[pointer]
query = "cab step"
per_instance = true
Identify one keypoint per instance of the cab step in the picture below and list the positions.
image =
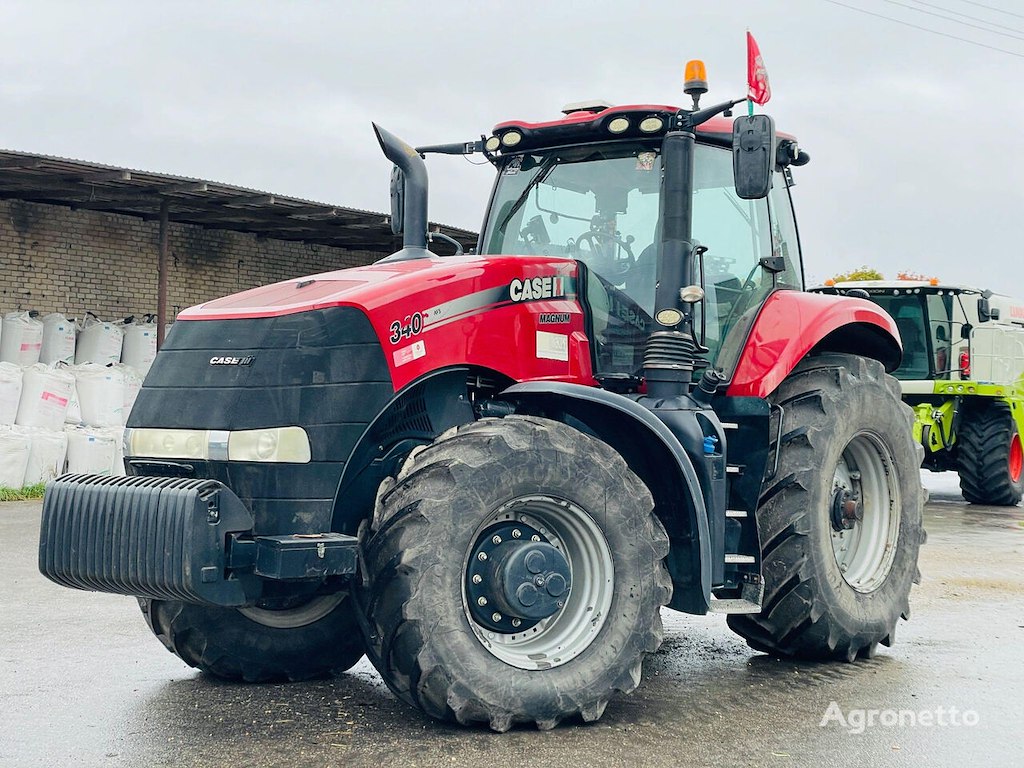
(735, 559)
(748, 599)
(733, 605)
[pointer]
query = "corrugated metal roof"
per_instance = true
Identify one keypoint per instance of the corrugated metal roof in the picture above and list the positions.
(84, 185)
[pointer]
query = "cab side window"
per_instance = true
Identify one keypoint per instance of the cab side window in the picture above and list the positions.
(785, 241)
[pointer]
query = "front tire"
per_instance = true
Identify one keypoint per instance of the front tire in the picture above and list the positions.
(990, 458)
(440, 587)
(840, 521)
(255, 645)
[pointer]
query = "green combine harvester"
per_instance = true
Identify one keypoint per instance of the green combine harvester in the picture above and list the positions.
(963, 374)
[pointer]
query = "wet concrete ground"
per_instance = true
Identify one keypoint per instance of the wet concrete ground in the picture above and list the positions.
(84, 683)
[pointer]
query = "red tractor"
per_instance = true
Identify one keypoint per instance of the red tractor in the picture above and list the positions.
(490, 472)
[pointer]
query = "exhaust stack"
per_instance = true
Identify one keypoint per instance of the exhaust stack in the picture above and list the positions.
(414, 180)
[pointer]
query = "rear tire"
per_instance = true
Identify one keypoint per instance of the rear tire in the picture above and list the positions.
(990, 457)
(834, 585)
(508, 482)
(317, 639)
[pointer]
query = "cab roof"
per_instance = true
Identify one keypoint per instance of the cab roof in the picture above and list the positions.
(592, 123)
(900, 285)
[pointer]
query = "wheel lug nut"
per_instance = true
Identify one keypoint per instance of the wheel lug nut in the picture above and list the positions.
(535, 537)
(481, 601)
(495, 616)
(477, 578)
(516, 533)
(482, 556)
(496, 539)
(516, 622)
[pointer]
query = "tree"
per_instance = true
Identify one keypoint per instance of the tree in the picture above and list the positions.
(907, 275)
(861, 273)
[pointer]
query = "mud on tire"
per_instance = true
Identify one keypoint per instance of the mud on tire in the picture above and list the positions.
(989, 456)
(318, 639)
(431, 648)
(847, 449)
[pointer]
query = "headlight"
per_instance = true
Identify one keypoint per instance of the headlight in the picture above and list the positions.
(289, 445)
(511, 138)
(283, 444)
(167, 443)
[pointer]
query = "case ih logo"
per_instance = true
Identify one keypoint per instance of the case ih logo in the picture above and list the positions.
(247, 360)
(550, 287)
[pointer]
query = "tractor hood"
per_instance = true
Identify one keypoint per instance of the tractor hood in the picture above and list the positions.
(366, 287)
(431, 313)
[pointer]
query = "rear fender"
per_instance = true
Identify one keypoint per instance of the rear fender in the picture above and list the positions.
(656, 456)
(793, 324)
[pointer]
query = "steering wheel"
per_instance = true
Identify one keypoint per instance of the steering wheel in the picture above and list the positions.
(615, 266)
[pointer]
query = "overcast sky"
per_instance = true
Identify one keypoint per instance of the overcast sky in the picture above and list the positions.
(915, 137)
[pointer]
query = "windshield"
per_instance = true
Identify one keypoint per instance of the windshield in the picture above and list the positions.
(599, 204)
(930, 323)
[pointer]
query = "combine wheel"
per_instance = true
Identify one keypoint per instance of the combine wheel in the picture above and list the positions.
(514, 573)
(990, 459)
(317, 638)
(840, 522)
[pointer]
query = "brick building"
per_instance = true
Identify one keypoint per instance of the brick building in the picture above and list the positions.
(78, 237)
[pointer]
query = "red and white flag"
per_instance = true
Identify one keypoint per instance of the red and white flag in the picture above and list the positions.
(758, 89)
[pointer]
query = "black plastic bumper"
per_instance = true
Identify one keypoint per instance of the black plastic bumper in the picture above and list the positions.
(173, 539)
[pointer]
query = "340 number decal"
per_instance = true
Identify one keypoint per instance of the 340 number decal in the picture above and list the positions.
(411, 326)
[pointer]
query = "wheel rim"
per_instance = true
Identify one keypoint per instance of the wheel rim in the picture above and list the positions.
(1016, 458)
(865, 512)
(289, 618)
(560, 637)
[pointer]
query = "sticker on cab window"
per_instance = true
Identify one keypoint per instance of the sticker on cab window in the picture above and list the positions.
(645, 161)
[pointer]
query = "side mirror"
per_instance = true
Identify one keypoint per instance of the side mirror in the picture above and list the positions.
(397, 200)
(984, 310)
(753, 155)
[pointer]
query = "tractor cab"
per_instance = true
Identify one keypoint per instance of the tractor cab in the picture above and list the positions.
(598, 200)
(589, 188)
(936, 323)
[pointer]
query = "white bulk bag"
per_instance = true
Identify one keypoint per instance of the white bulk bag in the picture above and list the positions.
(22, 339)
(90, 451)
(46, 454)
(10, 392)
(139, 347)
(117, 433)
(58, 340)
(14, 450)
(45, 394)
(100, 395)
(99, 343)
(74, 414)
(132, 385)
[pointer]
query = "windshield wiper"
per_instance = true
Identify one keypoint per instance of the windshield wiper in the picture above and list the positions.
(545, 169)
